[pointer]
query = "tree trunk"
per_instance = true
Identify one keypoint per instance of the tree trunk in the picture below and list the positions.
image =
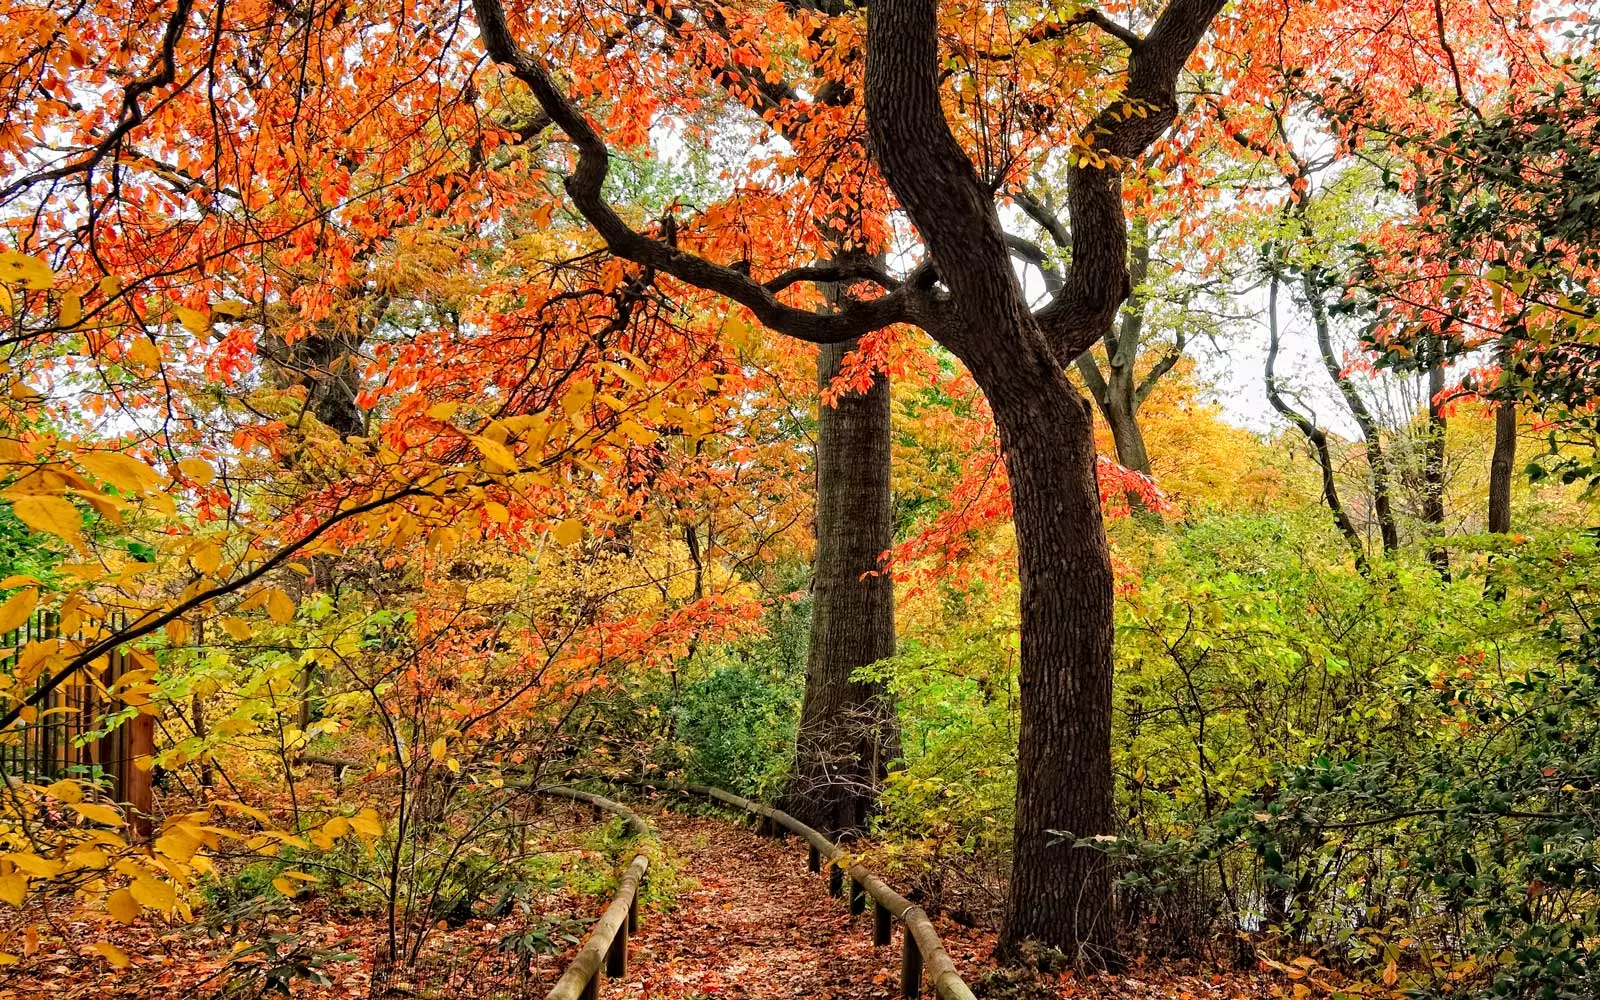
(1061, 894)
(847, 726)
(1115, 393)
(1377, 461)
(1501, 466)
(1433, 472)
(1315, 436)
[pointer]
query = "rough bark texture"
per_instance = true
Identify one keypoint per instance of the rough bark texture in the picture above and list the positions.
(1116, 392)
(1501, 466)
(1060, 894)
(847, 726)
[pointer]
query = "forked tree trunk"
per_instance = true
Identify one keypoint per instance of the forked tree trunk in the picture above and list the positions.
(847, 726)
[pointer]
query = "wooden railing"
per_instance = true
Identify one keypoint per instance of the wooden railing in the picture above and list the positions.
(607, 942)
(922, 952)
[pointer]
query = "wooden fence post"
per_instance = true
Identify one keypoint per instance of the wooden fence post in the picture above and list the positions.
(816, 859)
(881, 922)
(591, 989)
(858, 898)
(617, 956)
(910, 967)
(836, 880)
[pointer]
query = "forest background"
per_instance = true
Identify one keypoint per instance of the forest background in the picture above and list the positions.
(406, 409)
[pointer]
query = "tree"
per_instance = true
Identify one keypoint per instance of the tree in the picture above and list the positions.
(847, 726)
(967, 296)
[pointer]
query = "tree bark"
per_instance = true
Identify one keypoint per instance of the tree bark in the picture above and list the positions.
(847, 726)
(1061, 894)
(1501, 466)
(1115, 393)
(1433, 471)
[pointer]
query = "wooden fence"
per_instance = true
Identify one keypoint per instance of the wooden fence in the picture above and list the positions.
(608, 938)
(922, 952)
(68, 738)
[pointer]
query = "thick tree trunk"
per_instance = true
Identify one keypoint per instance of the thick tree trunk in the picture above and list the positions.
(1501, 466)
(847, 727)
(1061, 894)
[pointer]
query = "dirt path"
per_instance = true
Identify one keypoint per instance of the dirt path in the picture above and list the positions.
(757, 925)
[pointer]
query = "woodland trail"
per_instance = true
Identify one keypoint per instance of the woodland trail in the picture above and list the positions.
(759, 925)
(749, 920)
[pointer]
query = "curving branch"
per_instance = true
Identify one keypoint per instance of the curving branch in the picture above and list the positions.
(1098, 281)
(584, 186)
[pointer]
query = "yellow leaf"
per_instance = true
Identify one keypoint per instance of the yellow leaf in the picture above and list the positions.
(125, 472)
(238, 628)
(280, 606)
(110, 286)
(638, 432)
(19, 580)
(495, 452)
(443, 539)
(154, 893)
(568, 532)
(29, 272)
(122, 906)
(193, 320)
(65, 790)
(497, 512)
(144, 351)
(177, 845)
(51, 515)
(13, 888)
(367, 824)
(438, 749)
(70, 314)
(16, 610)
(197, 469)
(577, 397)
(337, 827)
(96, 813)
(231, 309)
(178, 632)
(285, 886)
(35, 865)
(443, 411)
(6, 958)
(116, 956)
(207, 558)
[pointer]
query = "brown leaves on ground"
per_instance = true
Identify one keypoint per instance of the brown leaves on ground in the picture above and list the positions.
(746, 919)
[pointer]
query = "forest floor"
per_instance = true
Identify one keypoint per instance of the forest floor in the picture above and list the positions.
(758, 924)
(745, 919)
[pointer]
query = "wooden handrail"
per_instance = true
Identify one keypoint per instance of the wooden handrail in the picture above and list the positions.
(923, 949)
(608, 939)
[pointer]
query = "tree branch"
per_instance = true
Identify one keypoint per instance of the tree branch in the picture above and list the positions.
(585, 187)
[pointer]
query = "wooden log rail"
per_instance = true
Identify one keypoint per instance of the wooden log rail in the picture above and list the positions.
(922, 952)
(607, 943)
